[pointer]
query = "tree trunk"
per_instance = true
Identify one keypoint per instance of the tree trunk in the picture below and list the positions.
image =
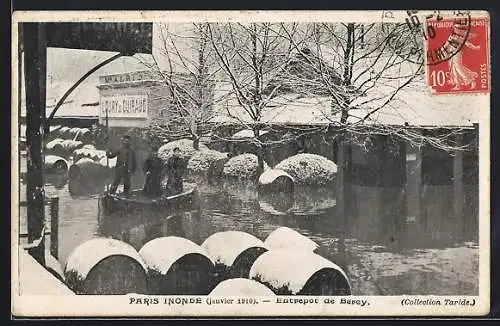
(196, 142)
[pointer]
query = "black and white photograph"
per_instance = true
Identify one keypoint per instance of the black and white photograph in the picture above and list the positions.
(250, 163)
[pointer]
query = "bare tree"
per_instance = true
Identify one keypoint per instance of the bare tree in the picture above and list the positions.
(365, 69)
(186, 67)
(252, 57)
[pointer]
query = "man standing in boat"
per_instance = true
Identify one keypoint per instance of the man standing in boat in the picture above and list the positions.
(153, 167)
(125, 165)
(175, 171)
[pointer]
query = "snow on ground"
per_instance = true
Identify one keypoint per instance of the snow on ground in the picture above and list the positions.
(185, 148)
(310, 169)
(224, 247)
(241, 286)
(84, 257)
(161, 253)
(272, 174)
(289, 268)
(201, 160)
(284, 237)
(243, 166)
(36, 280)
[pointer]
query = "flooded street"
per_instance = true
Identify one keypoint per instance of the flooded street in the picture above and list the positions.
(383, 254)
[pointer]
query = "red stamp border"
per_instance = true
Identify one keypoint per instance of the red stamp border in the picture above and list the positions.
(459, 66)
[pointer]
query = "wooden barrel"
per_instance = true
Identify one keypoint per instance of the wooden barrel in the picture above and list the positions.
(73, 132)
(299, 272)
(64, 132)
(233, 252)
(241, 287)
(55, 147)
(105, 266)
(84, 135)
(70, 145)
(53, 163)
(87, 168)
(274, 180)
(177, 266)
(284, 237)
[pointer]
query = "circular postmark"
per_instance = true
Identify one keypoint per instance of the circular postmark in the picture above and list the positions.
(446, 44)
(431, 42)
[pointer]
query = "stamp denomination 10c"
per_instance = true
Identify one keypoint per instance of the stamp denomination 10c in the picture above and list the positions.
(458, 55)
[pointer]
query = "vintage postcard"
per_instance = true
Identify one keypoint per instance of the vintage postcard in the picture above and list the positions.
(251, 163)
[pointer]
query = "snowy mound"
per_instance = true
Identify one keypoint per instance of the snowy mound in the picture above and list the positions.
(284, 237)
(291, 269)
(309, 169)
(161, 253)
(201, 160)
(241, 286)
(84, 257)
(185, 148)
(225, 247)
(244, 166)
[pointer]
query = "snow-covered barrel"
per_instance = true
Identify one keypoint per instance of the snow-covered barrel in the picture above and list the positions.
(177, 266)
(299, 272)
(233, 252)
(84, 135)
(105, 266)
(70, 145)
(64, 132)
(241, 287)
(274, 180)
(54, 163)
(73, 132)
(284, 237)
(86, 168)
(55, 147)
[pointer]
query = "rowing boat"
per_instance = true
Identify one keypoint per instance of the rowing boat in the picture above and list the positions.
(136, 201)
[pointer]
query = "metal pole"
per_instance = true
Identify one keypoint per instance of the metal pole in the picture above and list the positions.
(35, 72)
(54, 227)
(72, 88)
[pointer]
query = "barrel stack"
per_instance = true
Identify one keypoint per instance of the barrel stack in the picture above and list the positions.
(229, 263)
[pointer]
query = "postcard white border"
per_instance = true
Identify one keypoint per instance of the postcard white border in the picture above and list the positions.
(81, 306)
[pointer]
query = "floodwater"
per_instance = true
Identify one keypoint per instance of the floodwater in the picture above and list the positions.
(383, 250)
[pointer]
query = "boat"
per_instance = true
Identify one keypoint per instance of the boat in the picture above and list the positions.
(137, 201)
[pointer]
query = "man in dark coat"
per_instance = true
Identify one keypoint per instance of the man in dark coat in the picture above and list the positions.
(175, 171)
(153, 167)
(125, 165)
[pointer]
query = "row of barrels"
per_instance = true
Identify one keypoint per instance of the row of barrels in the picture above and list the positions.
(226, 263)
(81, 134)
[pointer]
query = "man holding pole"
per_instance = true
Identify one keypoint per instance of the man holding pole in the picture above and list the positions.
(125, 165)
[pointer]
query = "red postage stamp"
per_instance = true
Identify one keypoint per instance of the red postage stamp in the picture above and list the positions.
(458, 55)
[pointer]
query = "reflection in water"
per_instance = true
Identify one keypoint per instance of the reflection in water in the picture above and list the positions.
(383, 250)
